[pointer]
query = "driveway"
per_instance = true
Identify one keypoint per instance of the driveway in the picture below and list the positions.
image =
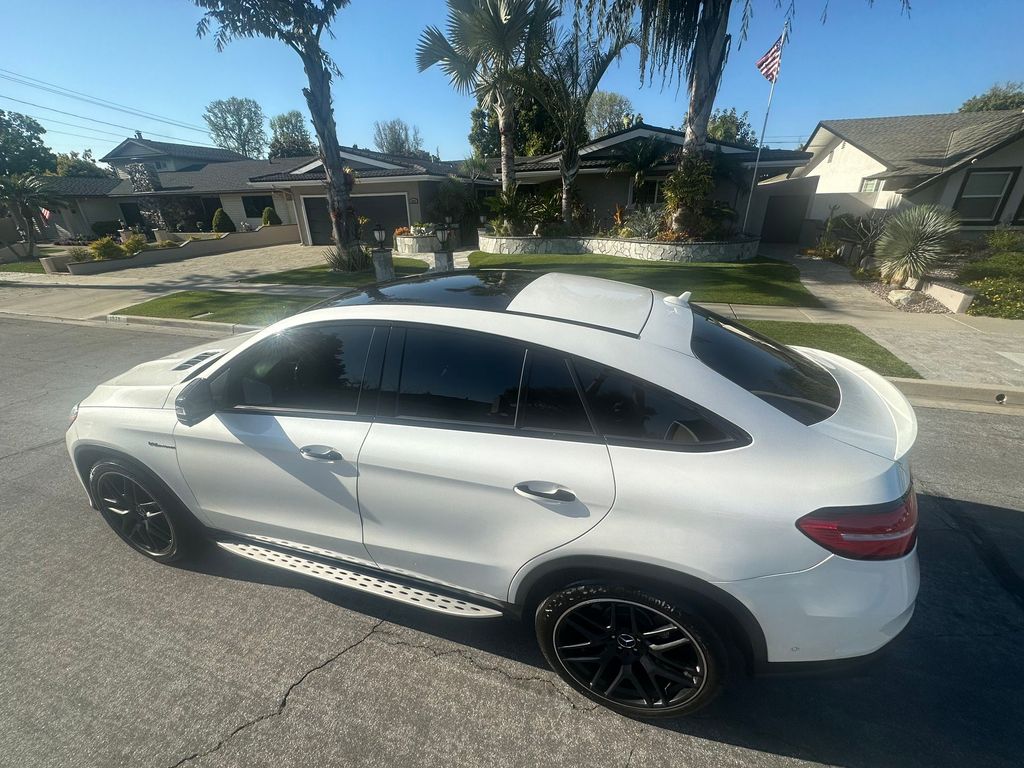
(79, 297)
(107, 659)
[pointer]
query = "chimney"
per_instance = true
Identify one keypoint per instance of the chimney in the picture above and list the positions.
(138, 134)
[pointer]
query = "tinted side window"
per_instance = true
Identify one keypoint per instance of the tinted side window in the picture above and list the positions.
(461, 377)
(779, 376)
(313, 367)
(627, 408)
(550, 400)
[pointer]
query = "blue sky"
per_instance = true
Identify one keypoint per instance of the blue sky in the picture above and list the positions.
(865, 61)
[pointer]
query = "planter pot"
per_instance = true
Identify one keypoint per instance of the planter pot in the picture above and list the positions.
(413, 244)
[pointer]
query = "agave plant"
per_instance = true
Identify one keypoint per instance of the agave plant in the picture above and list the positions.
(914, 240)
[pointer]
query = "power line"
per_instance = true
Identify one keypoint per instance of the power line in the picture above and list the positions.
(80, 136)
(94, 120)
(95, 100)
(74, 125)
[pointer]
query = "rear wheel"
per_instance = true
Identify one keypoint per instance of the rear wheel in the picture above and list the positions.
(629, 650)
(139, 510)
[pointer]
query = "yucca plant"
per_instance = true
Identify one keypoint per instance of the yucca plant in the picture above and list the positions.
(913, 241)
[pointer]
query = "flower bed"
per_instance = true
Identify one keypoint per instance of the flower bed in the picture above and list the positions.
(650, 250)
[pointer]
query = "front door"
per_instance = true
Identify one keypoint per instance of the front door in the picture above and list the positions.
(279, 458)
(462, 481)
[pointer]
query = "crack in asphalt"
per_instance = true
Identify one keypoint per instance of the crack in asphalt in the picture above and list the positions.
(463, 653)
(284, 699)
(30, 448)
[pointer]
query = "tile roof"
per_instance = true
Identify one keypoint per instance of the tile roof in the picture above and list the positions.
(925, 145)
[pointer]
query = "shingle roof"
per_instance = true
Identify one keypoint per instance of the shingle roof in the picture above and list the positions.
(925, 145)
(189, 151)
(550, 162)
(75, 186)
(409, 166)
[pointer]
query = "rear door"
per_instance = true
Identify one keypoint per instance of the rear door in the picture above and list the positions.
(482, 457)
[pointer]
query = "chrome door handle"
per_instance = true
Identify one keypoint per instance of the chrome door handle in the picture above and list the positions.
(319, 453)
(545, 492)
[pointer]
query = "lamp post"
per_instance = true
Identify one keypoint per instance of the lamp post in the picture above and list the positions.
(383, 263)
(444, 261)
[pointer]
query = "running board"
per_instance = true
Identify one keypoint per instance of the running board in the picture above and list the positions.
(374, 585)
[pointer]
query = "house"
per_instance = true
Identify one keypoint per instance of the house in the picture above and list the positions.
(601, 189)
(188, 184)
(969, 162)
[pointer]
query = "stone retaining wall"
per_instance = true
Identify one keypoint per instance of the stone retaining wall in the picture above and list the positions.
(650, 250)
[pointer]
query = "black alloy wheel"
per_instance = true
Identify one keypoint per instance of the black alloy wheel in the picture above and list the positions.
(630, 651)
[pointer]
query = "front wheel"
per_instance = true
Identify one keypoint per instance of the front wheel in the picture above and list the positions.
(631, 651)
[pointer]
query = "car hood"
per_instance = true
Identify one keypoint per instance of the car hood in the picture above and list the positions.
(146, 385)
(873, 415)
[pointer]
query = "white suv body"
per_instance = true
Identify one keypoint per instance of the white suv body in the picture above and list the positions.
(497, 437)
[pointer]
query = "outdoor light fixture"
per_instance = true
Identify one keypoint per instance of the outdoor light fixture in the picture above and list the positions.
(483, 219)
(379, 234)
(448, 220)
(442, 236)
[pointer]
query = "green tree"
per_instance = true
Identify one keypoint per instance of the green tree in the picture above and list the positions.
(489, 43)
(535, 134)
(1009, 95)
(563, 79)
(289, 136)
(678, 36)
(21, 146)
(237, 124)
(606, 113)
(397, 137)
(22, 197)
(726, 125)
(81, 165)
(299, 24)
(640, 157)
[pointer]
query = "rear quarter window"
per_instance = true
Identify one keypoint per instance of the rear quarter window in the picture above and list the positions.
(781, 377)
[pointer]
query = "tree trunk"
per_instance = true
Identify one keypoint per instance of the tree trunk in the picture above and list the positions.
(568, 166)
(321, 111)
(708, 59)
(503, 110)
(25, 225)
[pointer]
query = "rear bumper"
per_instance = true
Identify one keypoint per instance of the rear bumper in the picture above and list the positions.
(830, 616)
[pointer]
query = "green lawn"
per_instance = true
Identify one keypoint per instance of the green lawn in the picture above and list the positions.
(843, 340)
(760, 281)
(321, 274)
(224, 307)
(22, 266)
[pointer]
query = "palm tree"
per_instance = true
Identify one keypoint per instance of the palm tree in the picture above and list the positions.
(23, 197)
(488, 45)
(640, 157)
(563, 79)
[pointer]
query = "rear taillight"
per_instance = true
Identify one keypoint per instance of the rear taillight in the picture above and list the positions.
(878, 532)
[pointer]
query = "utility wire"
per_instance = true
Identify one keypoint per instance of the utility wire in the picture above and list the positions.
(80, 136)
(94, 120)
(95, 100)
(74, 125)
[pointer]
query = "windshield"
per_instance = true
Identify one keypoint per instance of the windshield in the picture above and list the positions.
(781, 377)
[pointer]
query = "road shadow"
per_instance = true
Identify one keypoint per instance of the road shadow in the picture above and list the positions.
(948, 692)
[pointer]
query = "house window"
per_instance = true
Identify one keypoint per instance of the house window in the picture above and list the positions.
(1019, 216)
(254, 205)
(871, 185)
(647, 193)
(983, 194)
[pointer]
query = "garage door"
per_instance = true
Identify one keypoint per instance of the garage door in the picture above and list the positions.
(783, 218)
(387, 210)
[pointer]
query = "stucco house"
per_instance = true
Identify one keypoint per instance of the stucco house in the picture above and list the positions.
(970, 162)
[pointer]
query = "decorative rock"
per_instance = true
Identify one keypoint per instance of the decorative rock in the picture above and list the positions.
(905, 298)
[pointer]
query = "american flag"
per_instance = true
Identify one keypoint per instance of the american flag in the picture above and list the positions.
(769, 63)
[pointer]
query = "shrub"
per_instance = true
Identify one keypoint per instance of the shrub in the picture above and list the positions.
(998, 297)
(222, 222)
(1005, 239)
(511, 209)
(1000, 265)
(352, 259)
(270, 217)
(644, 222)
(133, 244)
(106, 228)
(79, 253)
(913, 241)
(547, 209)
(105, 248)
(163, 244)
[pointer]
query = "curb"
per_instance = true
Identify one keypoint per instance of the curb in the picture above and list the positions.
(228, 329)
(982, 398)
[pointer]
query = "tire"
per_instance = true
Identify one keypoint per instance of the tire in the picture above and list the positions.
(594, 637)
(143, 512)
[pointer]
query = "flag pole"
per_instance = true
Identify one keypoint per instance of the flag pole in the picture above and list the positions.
(764, 127)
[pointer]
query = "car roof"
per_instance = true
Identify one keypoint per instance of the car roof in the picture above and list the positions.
(590, 301)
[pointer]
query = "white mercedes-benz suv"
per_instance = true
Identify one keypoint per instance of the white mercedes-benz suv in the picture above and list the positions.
(661, 491)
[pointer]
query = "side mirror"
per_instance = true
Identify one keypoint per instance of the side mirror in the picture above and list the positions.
(194, 403)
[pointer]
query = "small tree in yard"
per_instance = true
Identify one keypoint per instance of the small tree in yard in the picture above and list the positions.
(23, 197)
(299, 24)
(222, 222)
(270, 217)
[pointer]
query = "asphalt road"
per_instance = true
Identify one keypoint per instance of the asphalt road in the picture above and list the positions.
(107, 659)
